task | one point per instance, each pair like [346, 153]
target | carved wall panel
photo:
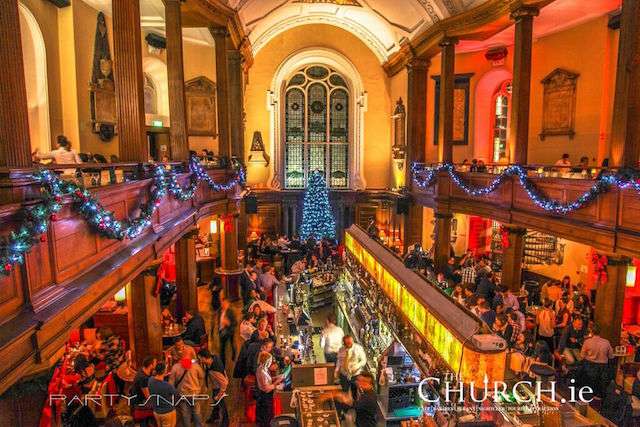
[200, 94]
[559, 104]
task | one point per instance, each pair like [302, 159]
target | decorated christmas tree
[317, 217]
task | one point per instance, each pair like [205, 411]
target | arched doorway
[34, 55]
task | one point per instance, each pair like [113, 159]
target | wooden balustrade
[69, 274]
[610, 223]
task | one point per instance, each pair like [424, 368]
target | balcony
[609, 223]
[72, 269]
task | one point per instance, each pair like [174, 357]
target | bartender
[351, 361]
[264, 392]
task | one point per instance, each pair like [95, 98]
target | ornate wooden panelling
[610, 223]
[73, 271]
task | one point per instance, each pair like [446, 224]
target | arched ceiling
[381, 24]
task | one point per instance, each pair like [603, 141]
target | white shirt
[264, 306]
[264, 380]
[61, 156]
[351, 361]
[246, 330]
[331, 339]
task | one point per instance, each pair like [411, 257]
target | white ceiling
[381, 24]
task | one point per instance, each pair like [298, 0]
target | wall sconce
[121, 296]
[213, 226]
[399, 147]
[257, 153]
[631, 276]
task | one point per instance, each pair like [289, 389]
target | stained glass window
[316, 127]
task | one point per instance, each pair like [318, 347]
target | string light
[53, 189]
[424, 177]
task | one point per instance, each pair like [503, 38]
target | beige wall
[575, 264]
[596, 65]
[46, 14]
[200, 60]
[377, 147]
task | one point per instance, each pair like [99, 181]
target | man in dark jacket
[195, 328]
[486, 288]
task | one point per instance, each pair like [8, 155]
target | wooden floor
[235, 401]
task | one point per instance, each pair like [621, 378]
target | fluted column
[442, 243]
[186, 273]
[521, 85]
[236, 107]
[15, 147]
[512, 258]
[175, 74]
[625, 130]
[417, 70]
[222, 90]
[145, 326]
[127, 46]
[447, 82]
[610, 299]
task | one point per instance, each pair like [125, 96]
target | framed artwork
[559, 103]
[200, 94]
[460, 109]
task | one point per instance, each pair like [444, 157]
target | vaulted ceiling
[381, 24]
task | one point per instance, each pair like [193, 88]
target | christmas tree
[317, 217]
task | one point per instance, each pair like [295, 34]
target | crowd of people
[553, 326]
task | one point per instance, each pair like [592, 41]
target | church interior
[319, 212]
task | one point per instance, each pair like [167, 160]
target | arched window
[500, 110]
[316, 116]
[150, 95]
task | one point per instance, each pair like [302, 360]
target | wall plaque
[200, 94]
[559, 104]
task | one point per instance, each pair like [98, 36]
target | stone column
[610, 299]
[447, 83]
[230, 271]
[512, 258]
[15, 146]
[175, 73]
[521, 85]
[145, 326]
[186, 272]
[127, 47]
[236, 104]
[417, 70]
[625, 131]
[222, 90]
[442, 241]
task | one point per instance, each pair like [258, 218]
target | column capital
[618, 260]
[218, 32]
[443, 215]
[448, 41]
[416, 63]
[523, 12]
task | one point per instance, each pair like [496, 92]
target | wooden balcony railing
[73, 269]
[609, 223]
